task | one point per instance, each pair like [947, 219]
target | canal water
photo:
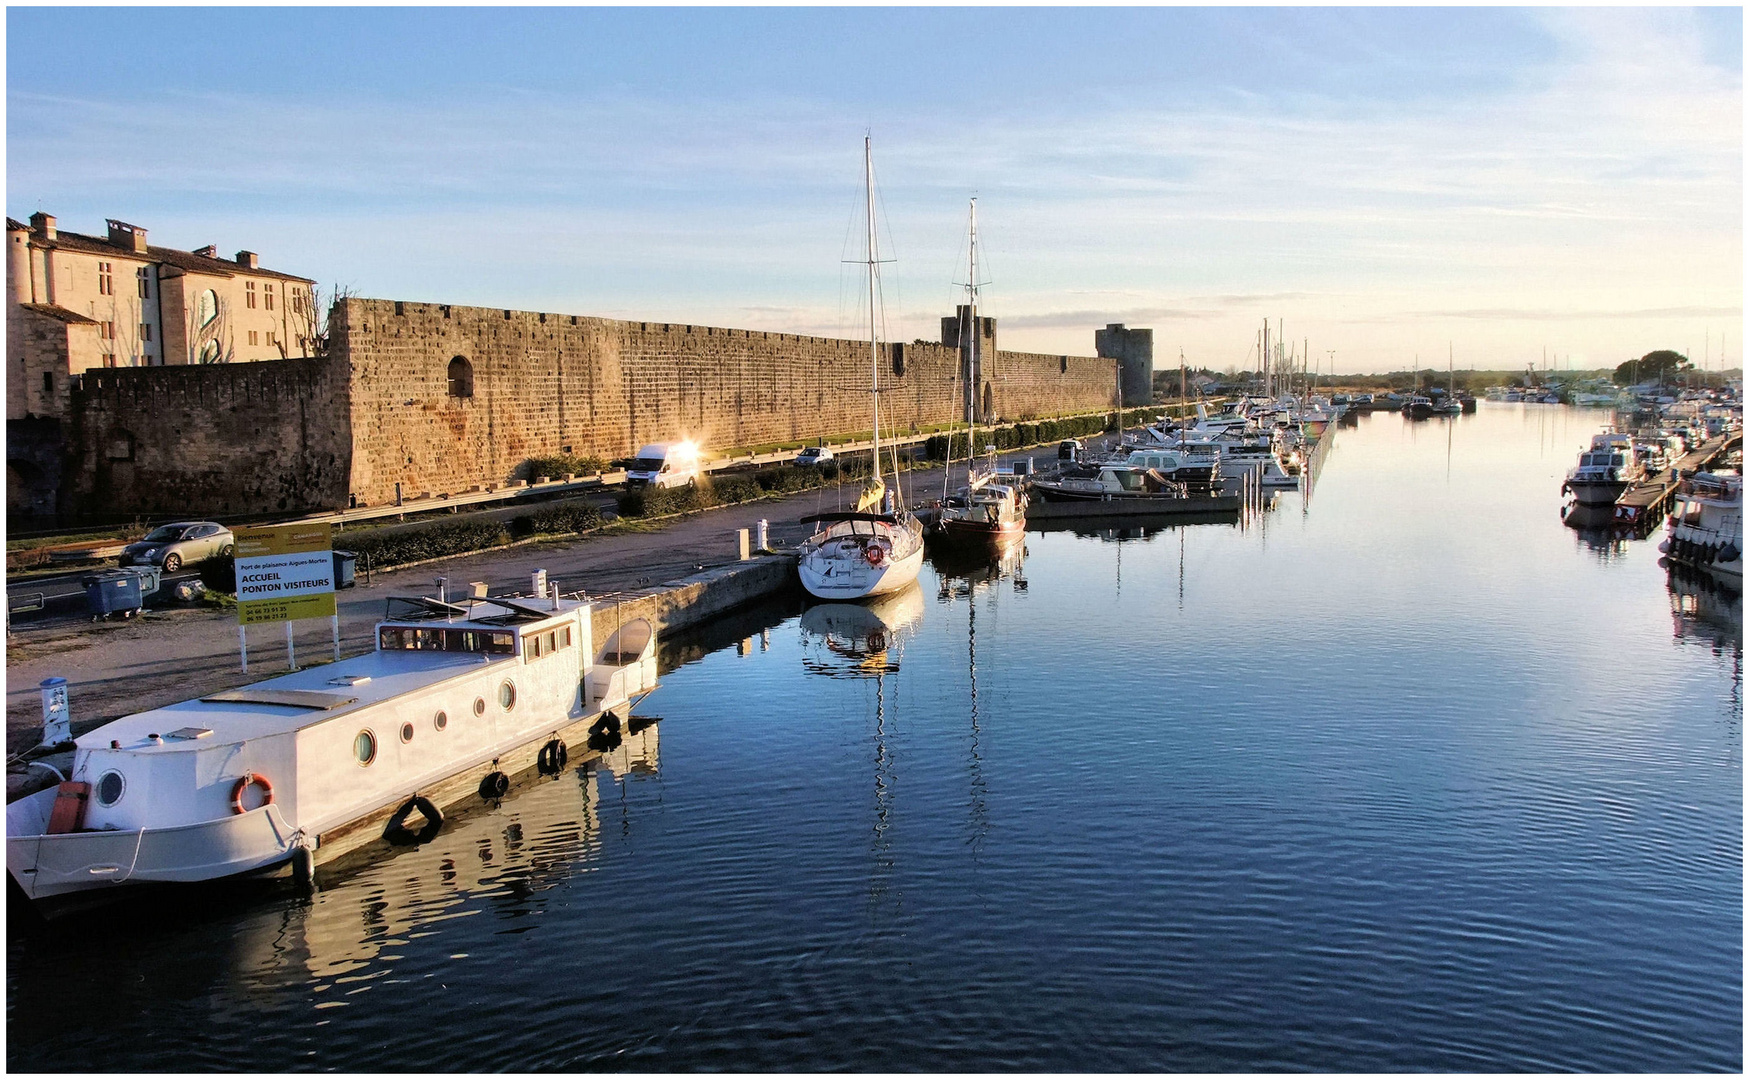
[1406, 776]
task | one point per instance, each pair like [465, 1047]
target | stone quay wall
[221, 439]
[445, 398]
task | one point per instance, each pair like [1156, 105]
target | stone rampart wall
[221, 439]
[543, 384]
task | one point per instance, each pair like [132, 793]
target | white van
[664, 465]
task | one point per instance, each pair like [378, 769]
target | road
[172, 654]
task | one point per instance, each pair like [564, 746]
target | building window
[206, 307]
[461, 378]
[105, 280]
[144, 275]
[267, 297]
[108, 359]
[108, 331]
[48, 382]
[253, 339]
[145, 331]
[273, 337]
[249, 294]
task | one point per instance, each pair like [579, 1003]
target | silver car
[178, 544]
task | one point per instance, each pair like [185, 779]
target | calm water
[1413, 777]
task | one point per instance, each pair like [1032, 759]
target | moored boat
[304, 767]
[1705, 529]
[1605, 470]
[877, 547]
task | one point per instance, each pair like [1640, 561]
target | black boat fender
[396, 831]
[604, 733]
[494, 785]
[551, 759]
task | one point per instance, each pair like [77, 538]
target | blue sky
[1384, 180]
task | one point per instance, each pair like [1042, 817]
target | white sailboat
[877, 547]
[982, 512]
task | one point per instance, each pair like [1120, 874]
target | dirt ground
[170, 655]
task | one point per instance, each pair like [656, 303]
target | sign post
[285, 572]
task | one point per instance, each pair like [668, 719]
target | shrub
[558, 465]
[434, 541]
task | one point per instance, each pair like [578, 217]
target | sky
[1493, 185]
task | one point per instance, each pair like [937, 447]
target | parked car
[813, 455]
[175, 545]
[1067, 449]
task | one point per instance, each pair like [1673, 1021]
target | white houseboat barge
[456, 698]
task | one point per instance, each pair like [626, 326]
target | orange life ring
[874, 555]
[243, 784]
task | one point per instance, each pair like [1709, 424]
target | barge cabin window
[492, 642]
[535, 646]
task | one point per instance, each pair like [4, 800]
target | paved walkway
[170, 655]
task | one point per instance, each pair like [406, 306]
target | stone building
[77, 302]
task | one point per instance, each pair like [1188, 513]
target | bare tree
[124, 326]
[308, 318]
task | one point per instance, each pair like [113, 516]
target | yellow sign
[285, 572]
[284, 540]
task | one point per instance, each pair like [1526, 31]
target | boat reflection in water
[855, 641]
[1705, 608]
[499, 860]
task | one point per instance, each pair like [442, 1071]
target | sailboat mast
[975, 383]
[874, 359]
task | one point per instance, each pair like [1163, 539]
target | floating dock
[1132, 507]
[1647, 498]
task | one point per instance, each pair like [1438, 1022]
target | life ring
[874, 554]
[604, 734]
[551, 759]
[494, 785]
[243, 784]
[396, 831]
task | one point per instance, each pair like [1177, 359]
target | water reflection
[498, 864]
[853, 641]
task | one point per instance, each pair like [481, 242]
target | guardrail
[21, 604]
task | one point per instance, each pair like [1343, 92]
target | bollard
[57, 720]
[764, 535]
[741, 538]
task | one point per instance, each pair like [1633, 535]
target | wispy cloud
[1602, 188]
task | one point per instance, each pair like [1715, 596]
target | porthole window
[407, 732]
[479, 706]
[109, 788]
[507, 695]
[441, 720]
[364, 748]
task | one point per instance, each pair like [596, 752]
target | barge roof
[268, 707]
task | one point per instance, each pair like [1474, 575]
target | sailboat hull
[830, 578]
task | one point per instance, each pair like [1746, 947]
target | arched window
[989, 402]
[206, 308]
[461, 378]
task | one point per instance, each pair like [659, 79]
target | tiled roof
[61, 313]
[182, 260]
[16, 226]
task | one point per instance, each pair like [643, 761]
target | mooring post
[741, 540]
[57, 719]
